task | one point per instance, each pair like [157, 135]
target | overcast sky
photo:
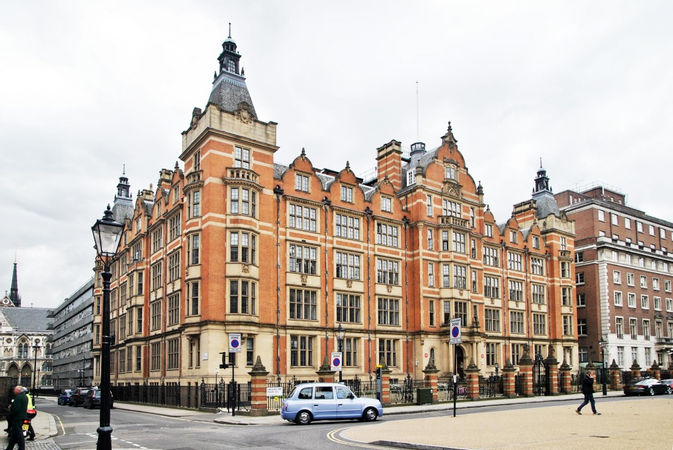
[86, 87]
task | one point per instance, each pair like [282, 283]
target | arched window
[23, 349]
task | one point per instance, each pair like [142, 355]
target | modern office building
[624, 274]
[285, 254]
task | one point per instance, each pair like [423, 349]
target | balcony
[193, 178]
[239, 173]
[453, 221]
[664, 341]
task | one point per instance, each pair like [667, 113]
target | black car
[78, 397]
[647, 386]
[92, 399]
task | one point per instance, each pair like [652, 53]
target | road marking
[333, 436]
[61, 423]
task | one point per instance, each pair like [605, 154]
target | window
[669, 305]
[459, 277]
[643, 281]
[139, 222]
[386, 204]
[347, 194]
[473, 248]
[193, 250]
[514, 261]
[139, 320]
[173, 353]
[515, 290]
[430, 239]
[350, 350]
[122, 360]
[388, 352]
[639, 226]
[197, 160]
[648, 356]
[581, 299]
[565, 269]
[411, 177]
[631, 299]
[156, 276]
[492, 319]
[618, 298]
[644, 302]
[174, 266]
[633, 328]
[655, 284]
[446, 277]
[431, 312]
[490, 256]
[137, 252]
[627, 225]
[601, 215]
[194, 298]
[658, 330]
[450, 208]
[512, 236]
[387, 271]
[651, 230]
[156, 315]
[156, 240]
[474, 282]
[388, 311]
[450, 172]
[122, 327]
[303, 304]
[537, 266]
[194, 209]
[657, 303]
[564, 243]
[646, 329]
[630, 279]
[242, 157]
[173, 309]
[155, 350]
[347, 265]
[579, 278]
[387, 234]
[445, 241]
[176, 194]
[123, 290]
[583, 353]
[538, 293]
[539, 324]
[491, 287]
[242, 297]
[516, 322]
[431, 274]
[301, 351]
[662, 233]
[243, 201]
[581, 327]
[174, 227]
[304, 218]
[301, 182]
[458, 242]
[428, 206]
[249, 351]
[491, 353]
[614, 219]
[347, 227]
[138, 358]
[565, 296]
[460, 311]
[667, 285]
[347, 308]
[620, 356]
[579, 257]
[488, 229]
[242, 247]
[472, 218]
[536, 242]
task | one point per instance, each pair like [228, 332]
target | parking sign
[234, 342]
[456, 337]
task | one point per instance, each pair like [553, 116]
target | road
[77, 429]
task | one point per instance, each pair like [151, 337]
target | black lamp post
[106, 236]
[603, 344]
[340, 333]
[35, 348]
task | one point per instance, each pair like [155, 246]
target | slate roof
[27, 319]
[229, 90]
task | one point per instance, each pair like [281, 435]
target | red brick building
[624, 274]
[284, 254]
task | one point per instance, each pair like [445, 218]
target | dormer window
[411, 177]
[347, 194]
[450, 173]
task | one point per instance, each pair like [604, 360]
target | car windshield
[292, 393]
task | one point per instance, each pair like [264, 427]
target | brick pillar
[258, 375]
[472, 373]
[385, 385]
[526, 371]
[565, 377]
[635, 370]
[431, 375]
[615, 377]
[508, 373]
[325, 373]
[552, 364]
[656, 371]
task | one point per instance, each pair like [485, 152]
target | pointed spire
[449, 137]
[303, 152]
[14, 290]
[348, 165]
[229, 37]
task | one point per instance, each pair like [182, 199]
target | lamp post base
[104, 438]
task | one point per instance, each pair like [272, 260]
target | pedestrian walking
[588, 391]
[17, 414]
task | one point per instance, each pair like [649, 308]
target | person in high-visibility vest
[30, 413]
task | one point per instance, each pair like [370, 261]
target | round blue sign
[235, 343]
[455, 331]
[336, 362]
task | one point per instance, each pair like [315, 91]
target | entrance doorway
[460, 361]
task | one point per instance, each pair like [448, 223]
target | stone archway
[26, 376]
[13, 373]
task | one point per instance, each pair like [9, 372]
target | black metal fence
[491, 386]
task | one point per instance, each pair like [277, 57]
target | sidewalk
[44, 425]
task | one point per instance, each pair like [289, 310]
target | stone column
[656, 371]
[552, 364]
[615, 377]
[431, 377]
[472, 372]
[325, 373]
[526, 371]
[565, 377]
[508, 373]
[258, 405]
[635, 370]
[385, 384]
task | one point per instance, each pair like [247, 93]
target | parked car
[77, 398]
[92, 399]
[647, 386]
[64, 397]
[328, 401]
[668, 382]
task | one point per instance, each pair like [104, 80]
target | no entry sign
[456, 337]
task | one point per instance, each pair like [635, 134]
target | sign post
[234, 347]
[456, 338]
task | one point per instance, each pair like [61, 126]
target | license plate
[25, 427]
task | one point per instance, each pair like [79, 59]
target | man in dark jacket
[588, 391]
[17, 414]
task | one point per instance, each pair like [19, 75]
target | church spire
[229, 58]
[14, 291]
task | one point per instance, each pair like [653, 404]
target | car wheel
[303, 418]
[669, 390]
[651, 391]
[370, 415]
[59, 402]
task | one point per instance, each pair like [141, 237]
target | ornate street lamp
[603, 344]
[35, 348]
[106, 235]
[340, 333]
